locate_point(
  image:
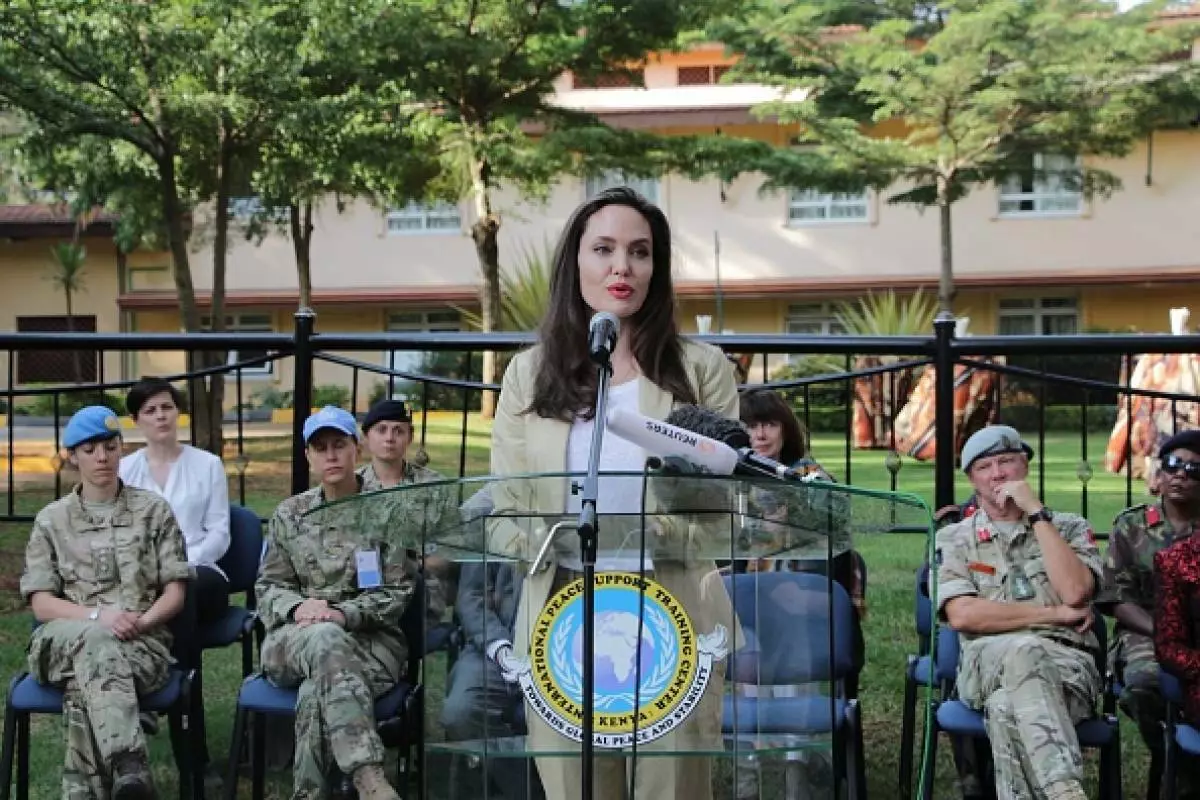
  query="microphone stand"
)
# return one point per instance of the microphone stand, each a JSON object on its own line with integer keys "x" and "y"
{"x": 588, "y": 545}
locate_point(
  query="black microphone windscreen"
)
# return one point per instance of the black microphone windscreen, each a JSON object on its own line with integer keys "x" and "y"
{"x": 707, "y": 422}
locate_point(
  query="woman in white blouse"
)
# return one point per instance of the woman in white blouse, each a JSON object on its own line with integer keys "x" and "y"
{"x": 192, "y": 481}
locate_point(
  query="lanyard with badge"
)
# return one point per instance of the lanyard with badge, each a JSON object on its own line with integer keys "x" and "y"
{"x": 1018, "y": 582}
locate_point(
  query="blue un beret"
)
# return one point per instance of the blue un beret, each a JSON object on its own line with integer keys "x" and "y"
{"x": 91, "y": 424}
{"x": 339, "y": 419}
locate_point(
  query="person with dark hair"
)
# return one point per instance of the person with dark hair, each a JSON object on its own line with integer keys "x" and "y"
{"x": 776, "y": 433}
{"x": 193, "y": 482}
{"x": 613, "y": 256}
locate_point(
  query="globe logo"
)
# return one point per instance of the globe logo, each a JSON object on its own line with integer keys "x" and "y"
{"x": 617, "y": 653}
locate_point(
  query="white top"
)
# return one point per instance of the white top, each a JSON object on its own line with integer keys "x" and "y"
{"x": 615, "y": 495}
{"x": 198, "y": 494}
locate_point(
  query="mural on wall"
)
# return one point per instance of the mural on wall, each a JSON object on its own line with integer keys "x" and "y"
{"x": 1144, "y": 423}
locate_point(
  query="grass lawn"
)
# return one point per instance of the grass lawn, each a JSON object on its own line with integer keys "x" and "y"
{"x": 892, "y": 560}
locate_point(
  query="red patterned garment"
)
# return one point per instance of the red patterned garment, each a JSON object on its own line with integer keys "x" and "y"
{"x": 1177, "y": 617}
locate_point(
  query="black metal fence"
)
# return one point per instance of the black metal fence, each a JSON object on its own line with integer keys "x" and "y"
{"x": 1047, "y": 386}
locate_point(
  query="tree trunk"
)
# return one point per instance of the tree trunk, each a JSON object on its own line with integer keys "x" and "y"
{"x": 300, "y": 219}
{"x": 208, "y": 434}
{"x": 946, "y": 278}
{"x": 486, "y": 232}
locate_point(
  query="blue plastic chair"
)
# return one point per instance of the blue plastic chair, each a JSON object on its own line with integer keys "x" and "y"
{"x": 27, "y": 697}
{"x": 399, "y": 713}
{"x": 918, "y": 674}
{"x": 1179, "y": 737}
{"x": 955, "y": 718}
{"x": 240, "y": 565}
{"x": 797, "y": 646}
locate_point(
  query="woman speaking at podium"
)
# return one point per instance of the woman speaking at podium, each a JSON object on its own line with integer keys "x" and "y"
{"x": 614, "y": 256}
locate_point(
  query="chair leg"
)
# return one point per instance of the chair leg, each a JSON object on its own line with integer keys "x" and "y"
{"x": 22, "y": 756}
{"x": 1170, "y": 761}
{"x": 928, "y": 759}
{"x": 1154, "y": 783}
{"x": 858, "y": 765}
{"x": 235, "y": 751}
{"x": 1116, "y": 789}
{"x": 258, "y": 756}
{"x": 907, "y": 732}
{"x": 182, "y": 751}
{"x": 6, "y": 758}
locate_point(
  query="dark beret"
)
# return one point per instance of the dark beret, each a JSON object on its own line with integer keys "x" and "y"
{"x": 389, "y": 410}
{"x": 1184, "y": 440}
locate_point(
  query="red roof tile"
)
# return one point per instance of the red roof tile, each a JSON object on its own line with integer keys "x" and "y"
{"x": 37, "y": 214}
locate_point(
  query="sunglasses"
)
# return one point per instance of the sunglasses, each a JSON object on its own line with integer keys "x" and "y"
{"x": 1173, "y": 464}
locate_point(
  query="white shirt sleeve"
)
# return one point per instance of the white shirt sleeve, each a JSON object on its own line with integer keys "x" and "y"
{"x": 214, "y": 540}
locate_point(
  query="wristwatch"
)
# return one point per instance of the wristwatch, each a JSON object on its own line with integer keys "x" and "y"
{"x": 95, "y": 615}
{"x": 1043, "y": 514}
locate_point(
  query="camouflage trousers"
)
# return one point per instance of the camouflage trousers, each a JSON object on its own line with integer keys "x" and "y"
{"x": 102, "y": 678}
{"x": 338, "y": 678}
{"x": 1032, "y": 691}
{"x": 1134, "y": 665}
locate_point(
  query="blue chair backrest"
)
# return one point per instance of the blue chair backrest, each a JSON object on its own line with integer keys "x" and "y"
{"x": 786, "y": 619}
{"x": 1171, "y": 688}
{"x": 240, "y": 562}
{"x": 924, "y": 609}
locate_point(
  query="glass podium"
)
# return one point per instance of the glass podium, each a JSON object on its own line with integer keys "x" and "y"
{"x": 727, "y": 636}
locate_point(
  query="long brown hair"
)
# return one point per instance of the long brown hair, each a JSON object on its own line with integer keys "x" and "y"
{"x": 566, "y": 379}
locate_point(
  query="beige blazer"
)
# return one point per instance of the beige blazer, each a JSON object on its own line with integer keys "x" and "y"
{"x": 525, "y": 444}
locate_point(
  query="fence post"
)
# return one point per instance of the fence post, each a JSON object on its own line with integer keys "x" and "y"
{"x": 943, "y": 328}
{"x": 301, "y": 395}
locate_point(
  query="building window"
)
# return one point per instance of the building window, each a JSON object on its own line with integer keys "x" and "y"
{"x": 813, "y": 207}
{"x": 412, "y": 361}
{"x": 1041, "y": 315}
{"x": 245, "y": 208}
{"x": 1044, "y": 189}
{"x": 57, "y": 366}
{"x": 247, "y": 323}
{"x": 812, "y": 319}
{"x": 700, "y": 76}
{"x": 646, "y": 187}
{"x": 437, "y": 217}
{"x": 605, "y": 80}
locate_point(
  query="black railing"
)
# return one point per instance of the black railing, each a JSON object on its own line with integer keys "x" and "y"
{"x": 1041, "y": 389}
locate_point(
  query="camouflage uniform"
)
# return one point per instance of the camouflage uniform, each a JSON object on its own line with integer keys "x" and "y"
{"x": 339, "y": 671}
{"x": 93, "y": 558}
{"x": 1137, "y": 534}
{"x": 1034, "y": 685}
{"x": 403, "y": 515}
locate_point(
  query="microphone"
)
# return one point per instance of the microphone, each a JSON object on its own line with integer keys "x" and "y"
{"x": 602, "y": 336}
{"x": 732, "y": 434}
{"x": 668, "y": 441}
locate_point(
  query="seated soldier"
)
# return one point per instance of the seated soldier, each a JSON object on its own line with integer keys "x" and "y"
{"x": 105, "y": 570}
{"x": 388, "y": 432}
{"x": 1016, "y": 581}
{"x": 1139, "y": 533}
{"x": 331, "y": 596}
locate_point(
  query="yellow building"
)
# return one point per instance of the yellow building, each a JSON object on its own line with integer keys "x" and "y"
{"x": 1029, "y": 257}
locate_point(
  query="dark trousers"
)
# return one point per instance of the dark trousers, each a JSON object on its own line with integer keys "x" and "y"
{"x": 207, "y": 600}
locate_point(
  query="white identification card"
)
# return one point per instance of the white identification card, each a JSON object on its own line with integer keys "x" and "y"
{"x": 367, "y": 564}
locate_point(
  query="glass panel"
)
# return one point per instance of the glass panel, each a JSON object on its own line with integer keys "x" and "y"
{"x": 720, "y": 631}
{"x": 1016, "y": 326}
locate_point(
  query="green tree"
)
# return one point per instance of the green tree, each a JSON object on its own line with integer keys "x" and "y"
{"x": 975, "y": 88}
{"x": 524, "y": 289}
{"x": 69, "y": 261}
{"x": 487, "y": 80}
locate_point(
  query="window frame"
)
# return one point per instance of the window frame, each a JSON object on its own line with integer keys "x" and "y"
{"x": 424, "y": 212}
{"x": 241, "y": 322}
{"x": 1039, "y": 312}
{"x": 391, "y": 324}
{"x": 826, "y": 201}
{"x": 1040, "y": 193}
{"x": 609, "y": 179}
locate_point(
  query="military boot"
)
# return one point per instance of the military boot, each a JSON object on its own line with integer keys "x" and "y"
{"x": 131, "y": 777}
{"x": 372, "y": 784}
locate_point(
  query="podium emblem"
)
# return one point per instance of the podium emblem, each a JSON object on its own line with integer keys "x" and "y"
{"x": 651, "y": 668}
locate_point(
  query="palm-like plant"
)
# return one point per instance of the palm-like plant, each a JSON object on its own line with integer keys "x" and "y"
{"x": 878, "y": 398}
{"x": 525, "y": 291}
{"x": 69, "y": 259}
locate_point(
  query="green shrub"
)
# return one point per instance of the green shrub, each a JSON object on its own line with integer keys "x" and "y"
{"x": 272, "y": 397}
{"x": 331, "y": 394}
{"x": 69, "y": 402}
{"x": 825, "y": 394}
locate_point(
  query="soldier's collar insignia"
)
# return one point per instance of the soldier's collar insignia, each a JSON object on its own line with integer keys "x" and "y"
{"x": 984, "y": 535}
{"x": 1153, "y": 516}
